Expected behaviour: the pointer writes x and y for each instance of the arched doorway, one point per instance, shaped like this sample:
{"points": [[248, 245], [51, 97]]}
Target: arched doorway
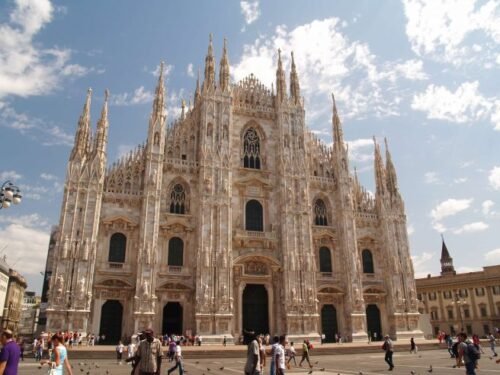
{"points": [[329, 322], [111, 322], [373, 322], [255, 308], [172, 318]]}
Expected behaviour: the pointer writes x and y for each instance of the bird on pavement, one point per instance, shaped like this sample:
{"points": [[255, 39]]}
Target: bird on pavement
{"points": [[430, 369], [222, 368], [322, 369], [412, 372]]}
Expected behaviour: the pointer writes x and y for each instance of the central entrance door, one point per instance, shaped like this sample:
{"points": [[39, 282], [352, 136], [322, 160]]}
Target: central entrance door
{"points": [[255, 308], [172, 318], [329, 322], [111, 322], [373, 322]]}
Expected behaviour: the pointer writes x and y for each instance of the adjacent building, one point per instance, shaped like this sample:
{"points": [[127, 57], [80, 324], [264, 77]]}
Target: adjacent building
{"points": [[234, 216], [467, 302], [29, 315], [4, 284], [13, 301]]}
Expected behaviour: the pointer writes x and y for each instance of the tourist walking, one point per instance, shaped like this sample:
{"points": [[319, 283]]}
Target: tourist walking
{"points": [[58, 362], [253, 354], [149, 354], [131, 349], [388, 347], [305, 354], [171, 350], [413, 346], [468, 353], [10, 354], [492, 341], [276, 341], [178, 360], [279, 356], [291, 355], [262, 353], [119, 352]]}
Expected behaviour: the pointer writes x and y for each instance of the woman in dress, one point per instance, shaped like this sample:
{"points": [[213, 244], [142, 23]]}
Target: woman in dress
{"points": [[59, 357]]}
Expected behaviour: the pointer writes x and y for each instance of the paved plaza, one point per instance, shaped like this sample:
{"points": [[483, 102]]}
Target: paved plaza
{"points": [[368, 364]]}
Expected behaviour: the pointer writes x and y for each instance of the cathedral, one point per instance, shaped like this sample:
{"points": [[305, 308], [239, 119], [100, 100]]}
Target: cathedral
{"points": [[233, 216]]}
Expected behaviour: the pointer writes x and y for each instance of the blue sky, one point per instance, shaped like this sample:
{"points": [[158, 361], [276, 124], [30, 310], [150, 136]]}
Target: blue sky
{"points": [[424, 74]]}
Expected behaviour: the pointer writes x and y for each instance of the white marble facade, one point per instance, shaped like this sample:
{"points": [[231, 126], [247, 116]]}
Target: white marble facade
{"points": [[236, 196]]}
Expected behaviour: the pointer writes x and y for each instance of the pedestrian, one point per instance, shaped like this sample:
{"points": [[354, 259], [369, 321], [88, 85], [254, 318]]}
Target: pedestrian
{"points": [[323, 337], [253, 353], [279, 356], [305, 354], [413, 346], [171, 350], [388, 347], [178, 360], [262, 353], [149, 354], [10, 354], [21, 348], [492, 341], [336, 337], [131, 349], [476, 341], [291, 355], [468, 353], [58, 361], [224, 341], [276, 341], [119, 352]]}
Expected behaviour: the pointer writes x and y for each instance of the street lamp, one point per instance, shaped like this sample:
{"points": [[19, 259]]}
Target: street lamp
{"points": [[460, 302], [9, 193]]}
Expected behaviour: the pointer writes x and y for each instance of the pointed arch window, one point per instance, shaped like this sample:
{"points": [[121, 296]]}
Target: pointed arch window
{"points": [[117, 248], [176, 252], [178, 203], [367, 257], [320, 213], [251, 149], [325, 259], [254, 217]]}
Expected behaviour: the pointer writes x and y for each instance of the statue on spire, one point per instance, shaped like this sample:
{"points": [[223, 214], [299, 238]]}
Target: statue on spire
{"points": [[209, 82], [294, 83], [392, 180], [224, 69], [159, 100], [83, 133], [379, 171], [101, 138], [280, 80]]}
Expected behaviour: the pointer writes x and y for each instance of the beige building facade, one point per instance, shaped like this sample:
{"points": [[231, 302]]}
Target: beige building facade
{"points": [[14, 301], [234, 216], [468, 302]]}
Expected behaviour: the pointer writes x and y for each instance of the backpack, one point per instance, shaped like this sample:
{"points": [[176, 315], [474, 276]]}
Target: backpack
{"points": [[473, 352]]}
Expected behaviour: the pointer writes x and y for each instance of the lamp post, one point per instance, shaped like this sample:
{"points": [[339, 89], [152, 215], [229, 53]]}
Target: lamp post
{"points": [[459, 302], [9, 193]]}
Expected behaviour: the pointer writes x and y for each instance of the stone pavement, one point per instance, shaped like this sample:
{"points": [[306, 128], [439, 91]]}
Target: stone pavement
{"points": [[350, 364]]}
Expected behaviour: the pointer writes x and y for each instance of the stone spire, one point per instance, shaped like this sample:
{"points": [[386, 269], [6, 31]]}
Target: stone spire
{"points": [[380, 180], [224, 69], [159, 100], [209, 82], [392, 179], [446, 260], [101, 138], [338, 133], [82, 137], [183, 109], [294, 83], [197, 92], [280, 80]]}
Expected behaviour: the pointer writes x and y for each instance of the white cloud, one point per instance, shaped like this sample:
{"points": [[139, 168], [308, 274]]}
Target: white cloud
{"points": [[477, 226], [327, 61], [25, 247], [450, 207], [190, 70], [47, 134], [26, 68], [48, 177], [420, 264], [139, 96], [465, 105], [31, 220], [360, 150], [250, 10], [442, 29], [75, 70], [431, 178], [10, 175], [465, 269], [124, 150], [486, 206], [494, 178], [167, 69], [493, 256], [460, 180]]}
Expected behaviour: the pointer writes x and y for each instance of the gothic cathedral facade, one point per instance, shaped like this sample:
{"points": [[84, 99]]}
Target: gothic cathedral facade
{"points": [[233, 217]]}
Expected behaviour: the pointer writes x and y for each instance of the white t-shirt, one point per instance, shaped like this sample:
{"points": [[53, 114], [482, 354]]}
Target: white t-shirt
{"points": [[178, 351], [279, 352], [131, 350], [119, 348]]}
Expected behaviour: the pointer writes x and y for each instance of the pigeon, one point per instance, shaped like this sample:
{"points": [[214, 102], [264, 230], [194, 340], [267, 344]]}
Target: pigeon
{"points": [[412, 372], [316, 362], [430, 369], [360, 373], [208, 369], [222, 368], [322, 369], [197, 362], [310, 372]]}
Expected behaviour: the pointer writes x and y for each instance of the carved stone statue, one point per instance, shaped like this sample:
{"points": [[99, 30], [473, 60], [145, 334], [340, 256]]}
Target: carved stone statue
{"points": [[207, 256], [85, 250], [80, 289], [65, 248], [145, 289], [147, 254]]}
